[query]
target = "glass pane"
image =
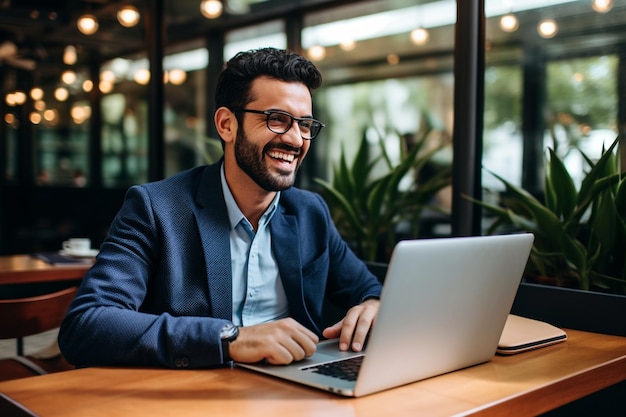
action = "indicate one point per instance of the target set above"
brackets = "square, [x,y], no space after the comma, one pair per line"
[581,110]
[60,120]
[551,81]
[502,138]
[124,136]
[10,130]
[387,86]
[269,34]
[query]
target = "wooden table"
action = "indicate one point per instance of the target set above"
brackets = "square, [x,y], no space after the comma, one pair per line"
[25,269]
[522,385]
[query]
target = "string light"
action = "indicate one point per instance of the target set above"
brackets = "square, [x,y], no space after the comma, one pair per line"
[347,44]
[128,16]
[393,59]
[35,118]
[142,76]
[211,9]
[61,94]
[68,77]
[317,52]
[509,23]
[69,55]
[87,24]
[602,6]
[87,86]
[20,97]
[547,28]
[419,36]
[177,76]
[36,93]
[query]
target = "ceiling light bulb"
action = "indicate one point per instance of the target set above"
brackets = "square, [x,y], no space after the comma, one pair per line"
[547,28]
[419,36]
[142,76]
[317,52]
[128,16]
[211,9]
[177,76]
[10,99]
[105,86]
[20,97]
[69,55]
[36,93]
[393,59]
[35,118]
[87,86]
[61,94]
[602,6]
[87,24]
[348,44]
[107,75]
[509,23]
[50,115]
[68,77]
[9,118]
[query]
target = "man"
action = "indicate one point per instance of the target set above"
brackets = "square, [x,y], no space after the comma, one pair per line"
[227,261]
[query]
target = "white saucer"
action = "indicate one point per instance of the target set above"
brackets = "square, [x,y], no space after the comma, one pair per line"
[87,254]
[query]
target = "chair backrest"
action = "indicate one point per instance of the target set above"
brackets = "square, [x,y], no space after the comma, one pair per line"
[32,315]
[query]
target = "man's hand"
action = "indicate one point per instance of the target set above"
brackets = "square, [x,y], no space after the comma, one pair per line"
[353,329]
[280,342]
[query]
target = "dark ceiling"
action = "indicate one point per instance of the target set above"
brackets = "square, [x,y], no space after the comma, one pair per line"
[41,29]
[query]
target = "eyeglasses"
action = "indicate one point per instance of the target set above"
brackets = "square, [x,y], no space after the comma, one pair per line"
[280,122]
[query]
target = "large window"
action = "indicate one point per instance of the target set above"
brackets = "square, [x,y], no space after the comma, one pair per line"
[551,81]
[388,78]
[581,109]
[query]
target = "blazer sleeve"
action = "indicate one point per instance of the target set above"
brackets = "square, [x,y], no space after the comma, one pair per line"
[115,320]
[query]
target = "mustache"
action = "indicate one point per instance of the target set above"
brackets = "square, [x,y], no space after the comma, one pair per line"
[283,147]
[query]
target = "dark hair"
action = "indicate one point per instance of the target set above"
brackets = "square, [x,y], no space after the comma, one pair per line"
[233,84]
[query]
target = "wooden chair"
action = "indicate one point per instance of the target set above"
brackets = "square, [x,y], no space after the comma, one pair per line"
[28,316]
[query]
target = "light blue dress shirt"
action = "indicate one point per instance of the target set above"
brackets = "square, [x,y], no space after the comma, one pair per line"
[258,293]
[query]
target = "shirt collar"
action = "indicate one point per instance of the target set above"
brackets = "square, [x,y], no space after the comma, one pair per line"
[235,216]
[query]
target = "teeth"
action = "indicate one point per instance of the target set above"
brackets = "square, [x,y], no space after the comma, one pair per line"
[280,155]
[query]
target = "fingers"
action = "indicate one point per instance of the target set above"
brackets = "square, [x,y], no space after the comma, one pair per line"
[354,328]
[292,344]
[280,342]
[333,331]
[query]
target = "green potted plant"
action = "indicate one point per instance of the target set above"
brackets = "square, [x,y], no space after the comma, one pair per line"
[367,208]
[580,234]
[579,249]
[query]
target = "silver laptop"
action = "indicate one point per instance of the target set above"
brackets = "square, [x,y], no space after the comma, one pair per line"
[443,307]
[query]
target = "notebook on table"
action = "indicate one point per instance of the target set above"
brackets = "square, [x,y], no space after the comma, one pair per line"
[522,334]
[443,307]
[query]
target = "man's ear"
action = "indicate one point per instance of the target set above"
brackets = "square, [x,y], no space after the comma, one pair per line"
[226,124]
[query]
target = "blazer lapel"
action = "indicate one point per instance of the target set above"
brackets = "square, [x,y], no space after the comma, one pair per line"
[213,226]
[286,247]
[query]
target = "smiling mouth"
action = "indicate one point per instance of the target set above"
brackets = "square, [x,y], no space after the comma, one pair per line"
[281,156]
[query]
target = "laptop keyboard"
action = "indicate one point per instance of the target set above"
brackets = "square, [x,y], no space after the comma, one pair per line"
[346,369]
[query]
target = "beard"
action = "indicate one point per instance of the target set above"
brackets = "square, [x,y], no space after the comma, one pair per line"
[250,159]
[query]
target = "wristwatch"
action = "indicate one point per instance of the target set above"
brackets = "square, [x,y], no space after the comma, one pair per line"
[228,334]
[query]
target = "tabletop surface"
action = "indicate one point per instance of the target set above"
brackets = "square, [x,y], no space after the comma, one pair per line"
[23,269]
[526,384]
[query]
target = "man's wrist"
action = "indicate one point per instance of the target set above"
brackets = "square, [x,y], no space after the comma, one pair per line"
[228,334]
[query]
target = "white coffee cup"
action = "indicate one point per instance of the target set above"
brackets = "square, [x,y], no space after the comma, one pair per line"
[77,245]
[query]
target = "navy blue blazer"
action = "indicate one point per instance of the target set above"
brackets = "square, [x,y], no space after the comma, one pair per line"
[160,290]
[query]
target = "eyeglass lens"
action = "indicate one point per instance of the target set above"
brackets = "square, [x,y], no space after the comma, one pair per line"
[281,122]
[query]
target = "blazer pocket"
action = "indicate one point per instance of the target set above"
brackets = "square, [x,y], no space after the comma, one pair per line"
[317,267]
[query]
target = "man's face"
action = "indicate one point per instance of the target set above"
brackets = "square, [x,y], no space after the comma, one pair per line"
[271,159]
